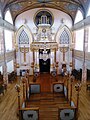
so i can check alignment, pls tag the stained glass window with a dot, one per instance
(64, 38)
(23, 38)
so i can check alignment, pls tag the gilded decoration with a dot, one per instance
(38, 45)
(68, 6)
(64, 49)
(24, 50)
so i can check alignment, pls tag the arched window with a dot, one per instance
(79, 16)
(8, 17)
(23, 37)
(64, 38)
(79, 39)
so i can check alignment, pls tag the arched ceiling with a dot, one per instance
(68, 6)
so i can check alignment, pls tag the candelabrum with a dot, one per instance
(78, 88)
(17, 87)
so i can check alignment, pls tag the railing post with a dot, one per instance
(78, 88)
(17, 87)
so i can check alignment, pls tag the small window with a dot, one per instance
(8, 17)
(79, 16)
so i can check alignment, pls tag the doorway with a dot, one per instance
(44, 65)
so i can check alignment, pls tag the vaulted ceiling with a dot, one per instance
(68, 6)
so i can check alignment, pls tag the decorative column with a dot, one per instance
(5, 75)
(72, 49)
(84, 54)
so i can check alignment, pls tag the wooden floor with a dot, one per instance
(8, 102)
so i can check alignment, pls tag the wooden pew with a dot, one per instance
(12, 76)
(34, 88)
(29, 113)
(58, 87)
(67, 112)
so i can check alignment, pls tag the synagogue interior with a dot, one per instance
(44, 59)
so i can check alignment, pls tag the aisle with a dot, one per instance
(45, 79)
